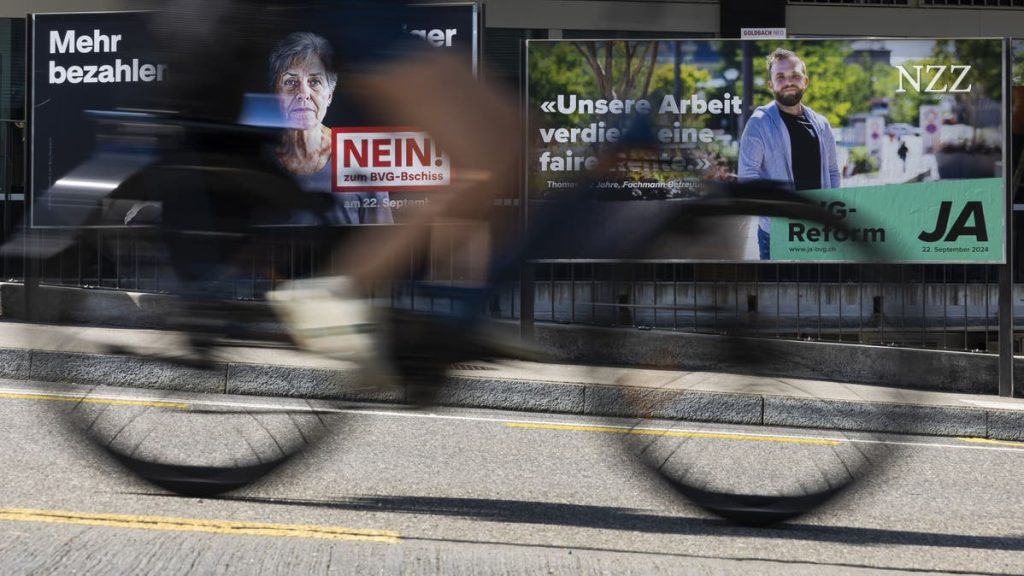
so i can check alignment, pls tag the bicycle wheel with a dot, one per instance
(201, 439)
(739, 470)
(194, 444)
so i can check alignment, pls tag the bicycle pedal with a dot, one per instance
(191, 358)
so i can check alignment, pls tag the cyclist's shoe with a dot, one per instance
(327, 316)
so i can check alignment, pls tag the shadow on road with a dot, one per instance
(627, 519)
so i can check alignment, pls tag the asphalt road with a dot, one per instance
(389, 491)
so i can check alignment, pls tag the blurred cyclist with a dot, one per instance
(217, 49)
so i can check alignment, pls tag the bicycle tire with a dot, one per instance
(770, 481)
(228, 445)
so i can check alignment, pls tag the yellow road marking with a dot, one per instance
(169, 524)
(990, 441)
(87, 400)
(649, 432)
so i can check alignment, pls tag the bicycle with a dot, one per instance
(417, 349)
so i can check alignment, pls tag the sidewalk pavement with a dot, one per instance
(54, 355)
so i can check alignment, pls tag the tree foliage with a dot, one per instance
(558, 69)
(622, 69)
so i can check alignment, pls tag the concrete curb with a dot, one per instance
(487, 391)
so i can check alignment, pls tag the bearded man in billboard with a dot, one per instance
(785, 141)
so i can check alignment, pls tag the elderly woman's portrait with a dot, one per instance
(302, 77)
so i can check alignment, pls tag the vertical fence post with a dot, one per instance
(32, 273)
(526, 300)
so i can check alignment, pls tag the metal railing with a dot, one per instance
(947, 307)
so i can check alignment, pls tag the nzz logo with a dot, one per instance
(940, 78)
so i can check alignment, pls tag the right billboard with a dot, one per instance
(903, 139)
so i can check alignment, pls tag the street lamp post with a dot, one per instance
(730, 75)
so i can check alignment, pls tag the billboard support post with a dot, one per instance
(527, 289)
(747, 75)
(1006, 269)
(1006, 330)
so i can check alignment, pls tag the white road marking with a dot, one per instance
(321, 407)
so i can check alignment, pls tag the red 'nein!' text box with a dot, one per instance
(387, 158)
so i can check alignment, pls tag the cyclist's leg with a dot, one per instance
(478, 130)
(474, 125)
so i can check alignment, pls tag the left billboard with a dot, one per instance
(110, 62)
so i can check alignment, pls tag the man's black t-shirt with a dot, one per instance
(805, 151)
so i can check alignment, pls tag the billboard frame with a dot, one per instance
(1004, 155)
(476, 26)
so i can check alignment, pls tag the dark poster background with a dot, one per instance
(61, 136)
